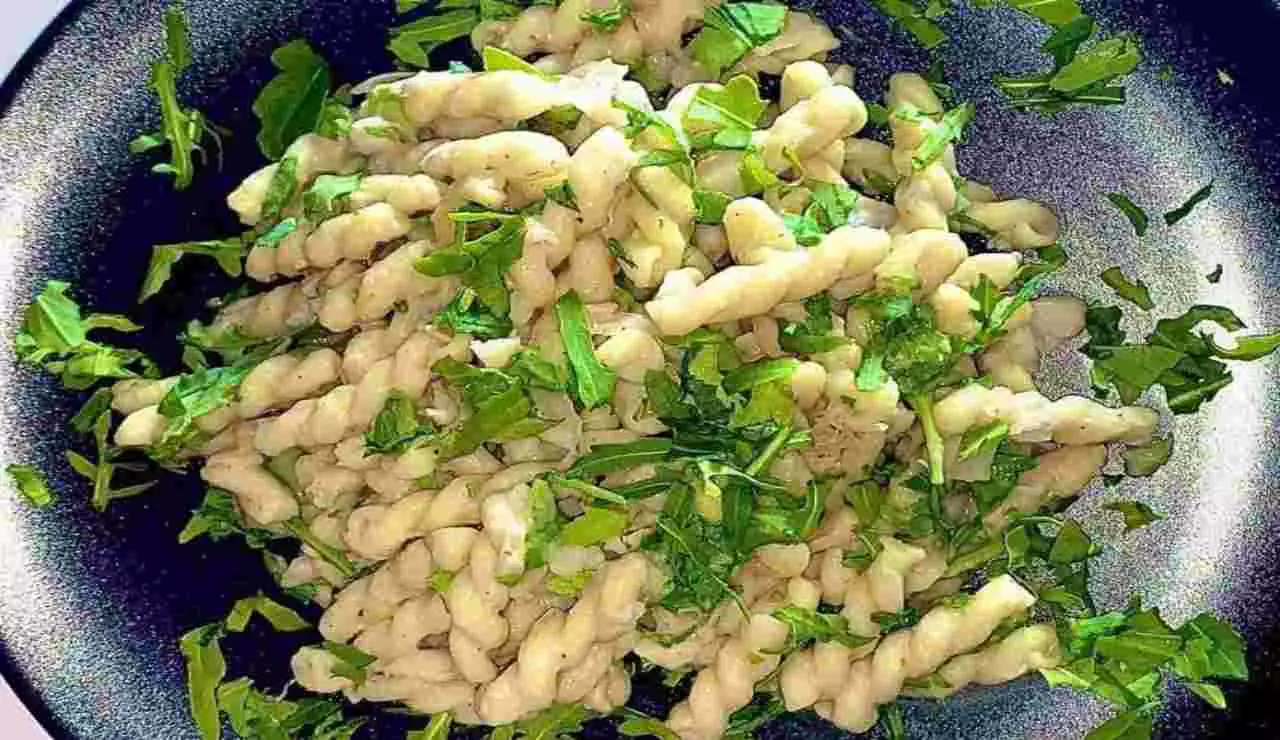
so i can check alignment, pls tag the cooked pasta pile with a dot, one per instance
(545, 376)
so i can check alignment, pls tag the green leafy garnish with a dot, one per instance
(412, 42)
(914, 21)
(396, 427)
(809, 626)
(194, 395)
(292, 103)
(596, 525)
(1133, 292)
(608, 19)
(732, 30)
(218, 518)
(54, 335)
(710, 206)
(436, 729)
(257, 715)
(1131, 211)
(1184, 210)
(466, 314)
(206, 668)
(228, 253)
(1136, 514)
(610, 458)
(1105, 60)
(182, 129)
(502, 409)
(1144, 461)
(328, 195)
(938, 134)
(31, 484)
(281, 617)
(589, 380)
(497, 60)
(101, 473)
(483, 261)
(1056, 13)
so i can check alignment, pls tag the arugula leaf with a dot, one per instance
(352, 661)
(809, 626)
(1106, 60)
(1135, 724)
(816, 333)
(982, 440)
(54, 335)
(1136, 514)
(31, 484)
(1184, 210)
(589, 380)
(745, 722)
(1247, 348)
(607, 20)
(638, 724)
(497, 60)
(194, 395)
(483, 261)
(396, 427)
(595, 526)
(504, 415)
(206, 668)
(281, 190)
(760, 372)
(892, 723)
(328, 195)
(1056, 13)
(1133, 292)
(218, 518)
(755, 174)
(544, 524)
(563, 194)
(181, 128)
(228, 253)
(437, 728)
(281, 617)
(96, 405)
(412, 42)
(732, 30)
(536, 371)
(937, 133)
(1067, 39)
(102, 472)
(736, 106)
(1131, 211)
(466, 314)
(254, 714)
(1140, 462)
(558, 722)
(912, 20)
(291, 104)
(710, 206)
(609, 458)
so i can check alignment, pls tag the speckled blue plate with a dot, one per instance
(91, 605)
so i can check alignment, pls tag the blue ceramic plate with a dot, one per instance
(91, 605)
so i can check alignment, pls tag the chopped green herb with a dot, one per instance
(206, 668)
(396, 427)
(466, 314)
(938, 134)
(610, 458)
(498, 60)
(482, 261)
(412, 42)
(1184, 210)
(809, 626)
(328, 195)
(101, 473)
(595, 526)
(732, 30)
(607, 20)
(1103, 61)
(1056, 13)
(1136, 215)
(352, 663)
(1136, 514)
(281, 617)
(590, 381)
(1133, 292)
(913, 20)
(1141, 462)
(182, 129)
(292, 103)
(564, 195)
(228, 253)
(31, 484)
(437, 728)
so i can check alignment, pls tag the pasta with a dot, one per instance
(544, 376)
